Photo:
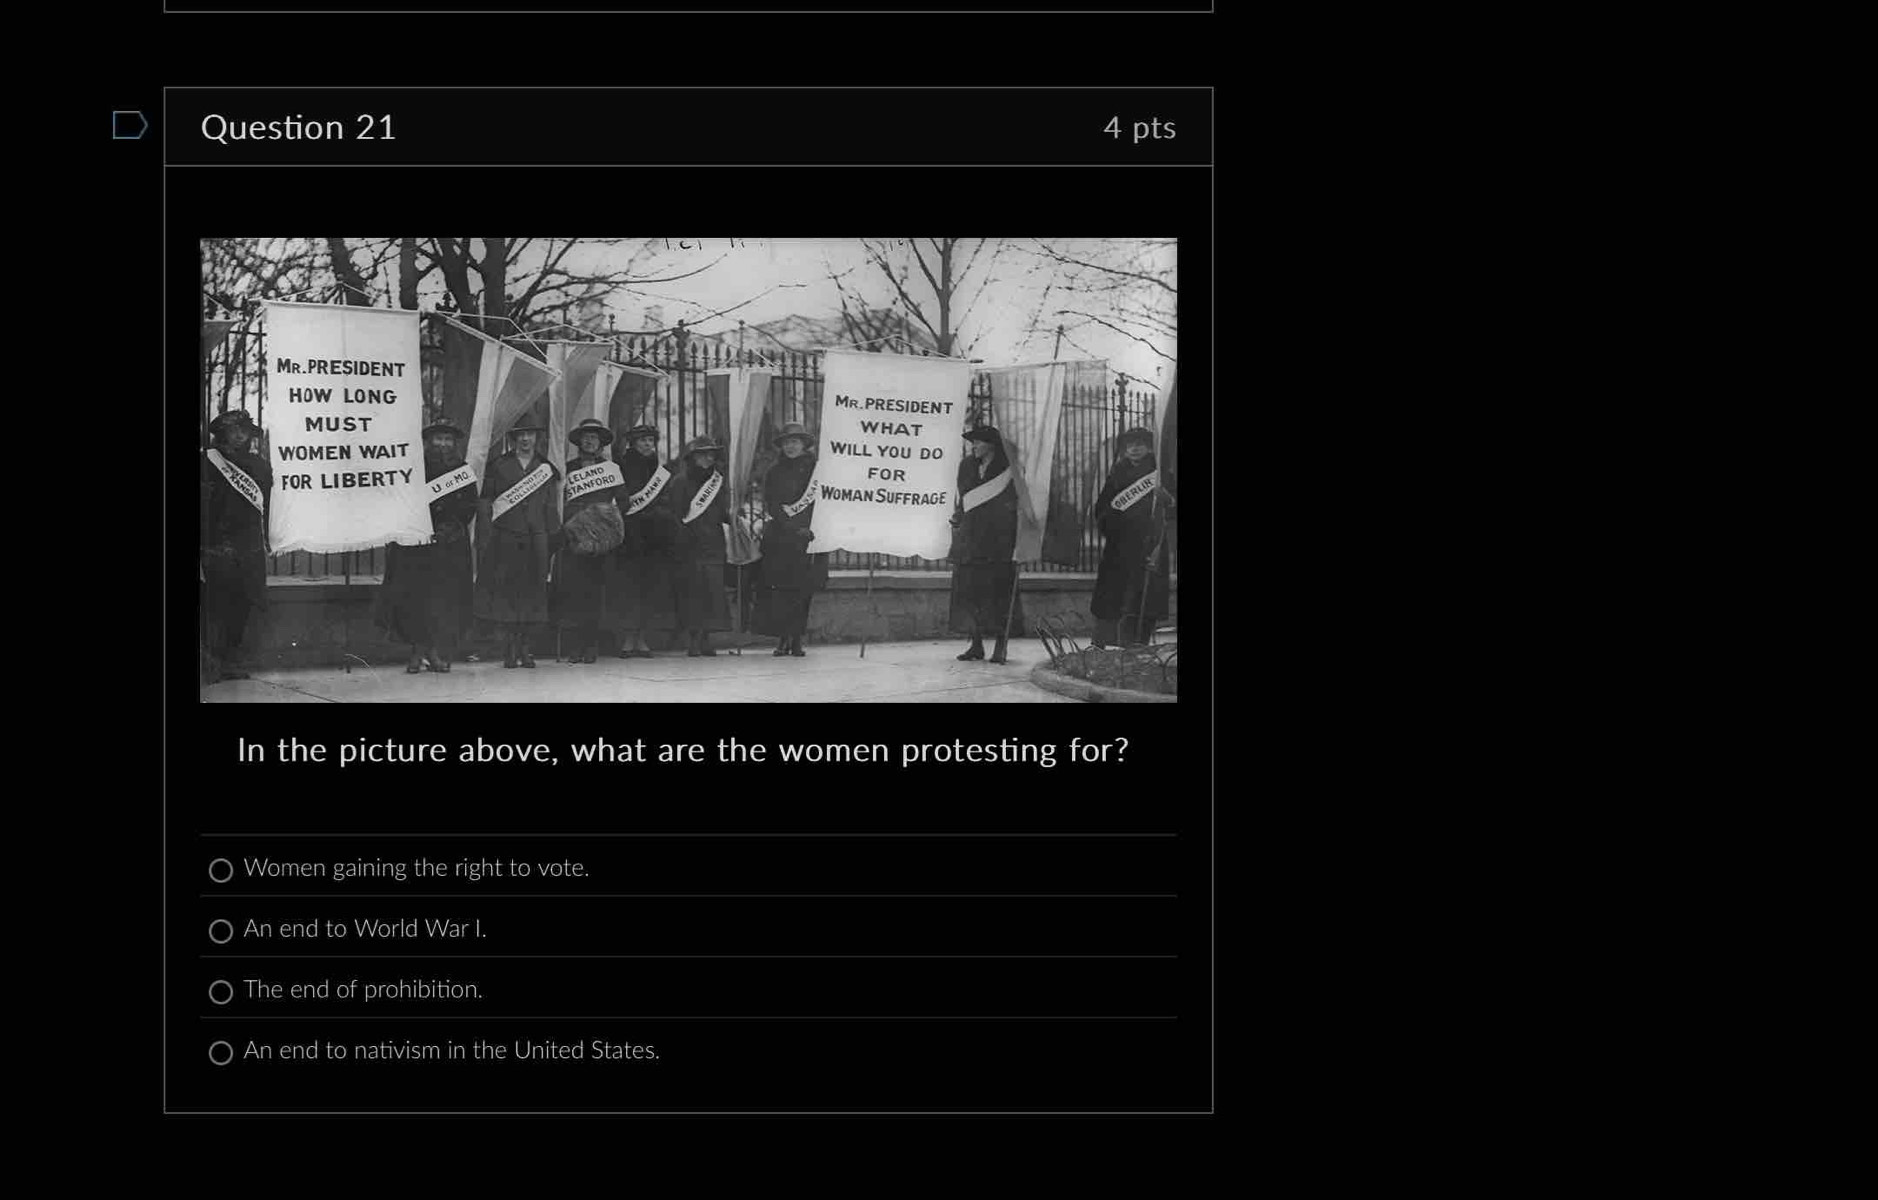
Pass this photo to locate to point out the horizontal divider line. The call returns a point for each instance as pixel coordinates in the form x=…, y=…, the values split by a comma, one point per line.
x=681, y=956
x=445, y=836
x=694, y=1017
x=687, y=896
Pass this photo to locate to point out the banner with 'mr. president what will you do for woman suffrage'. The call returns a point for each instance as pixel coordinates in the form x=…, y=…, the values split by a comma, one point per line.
x=344, y=416
x=887, y=459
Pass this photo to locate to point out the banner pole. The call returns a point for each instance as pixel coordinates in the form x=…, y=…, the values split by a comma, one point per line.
x=1017, y=577
x=345, y=606
x=872, y=558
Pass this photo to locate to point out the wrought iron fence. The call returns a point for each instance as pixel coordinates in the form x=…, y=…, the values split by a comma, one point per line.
x=235, y=374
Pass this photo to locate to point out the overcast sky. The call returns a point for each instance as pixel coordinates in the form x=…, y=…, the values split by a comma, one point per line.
x=783, y=276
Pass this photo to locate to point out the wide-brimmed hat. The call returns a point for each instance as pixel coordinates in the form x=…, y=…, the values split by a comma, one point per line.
x=985, y=433
x=231, y=418
x=441, y=427
x=1137, y=434
x=793, y=430
x=590, y=425
x=639, y=431
x=700, y=444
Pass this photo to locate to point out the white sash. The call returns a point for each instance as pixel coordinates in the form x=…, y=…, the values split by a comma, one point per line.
x=803, y=501
x=443, y=485
x=239, y=480
x=649, y=492
x=1132, y=495
x=987, y=490
x=705, y=495
x=526, y=487
x=592, y=479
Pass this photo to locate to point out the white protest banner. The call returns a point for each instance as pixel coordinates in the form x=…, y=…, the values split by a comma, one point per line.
x=890, y=443
x=576, y=363
x=346, y=409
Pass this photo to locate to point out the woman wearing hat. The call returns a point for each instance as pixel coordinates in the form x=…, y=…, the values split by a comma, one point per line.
x=984, y=578
x=591, y=531
x=513, y=537
x=640, y=592
x=700, y=501
x=235, y=487
x=426, y=596
x=791, y=575
x=1130, y=523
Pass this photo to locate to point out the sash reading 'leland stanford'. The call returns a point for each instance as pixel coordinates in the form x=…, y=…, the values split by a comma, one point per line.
x=239, y=480
x=803, y=501
x=443, y=485
x=592, y=479
x=649, y=492
x=1131, y=495
x=523, y=489
x=986, y=490
x=705, y=495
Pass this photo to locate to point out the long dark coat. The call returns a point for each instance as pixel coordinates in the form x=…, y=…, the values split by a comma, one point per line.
x=512, y=570
x=581, y=580
x=983, y=575
x=1127, y=539
x=233, y=555
x=640, y=592
x=427, y=595
x=790, y=574
x=699, y=573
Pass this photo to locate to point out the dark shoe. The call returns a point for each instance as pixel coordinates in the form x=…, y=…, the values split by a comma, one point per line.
x=707, y=652
x=692, y=653
x=973, y=655
x=997, y=653
x=796, y=651
x=509, y=662
x=528, y=660
x=443, y=667
x=412, y=668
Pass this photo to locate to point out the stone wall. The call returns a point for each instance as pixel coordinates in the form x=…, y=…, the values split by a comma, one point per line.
x=313, y=622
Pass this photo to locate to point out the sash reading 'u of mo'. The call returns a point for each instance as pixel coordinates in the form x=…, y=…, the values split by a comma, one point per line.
x=592, y=479
x=803, y=501
x=527, y=486
x=443, y=485
x=1132, y=495
x=705, y=495
x=239, y=480
x=650, y=492
x=986, y=490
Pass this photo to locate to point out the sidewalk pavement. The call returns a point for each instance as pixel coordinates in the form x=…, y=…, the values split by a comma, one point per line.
x=892, y=672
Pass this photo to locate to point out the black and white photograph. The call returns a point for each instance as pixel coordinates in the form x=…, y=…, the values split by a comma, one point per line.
x=663, y=470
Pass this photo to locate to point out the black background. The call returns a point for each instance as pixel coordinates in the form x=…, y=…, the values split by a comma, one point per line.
x=1135, y=1032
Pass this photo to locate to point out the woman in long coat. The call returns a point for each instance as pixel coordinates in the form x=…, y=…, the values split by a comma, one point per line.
x=235, y=489
x=1130, y=522
x=700, y=500
x=640, y=594
x=514, y=545
x=426, y=596
x=984, y=579
x=591, y=531
x=791, y=575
